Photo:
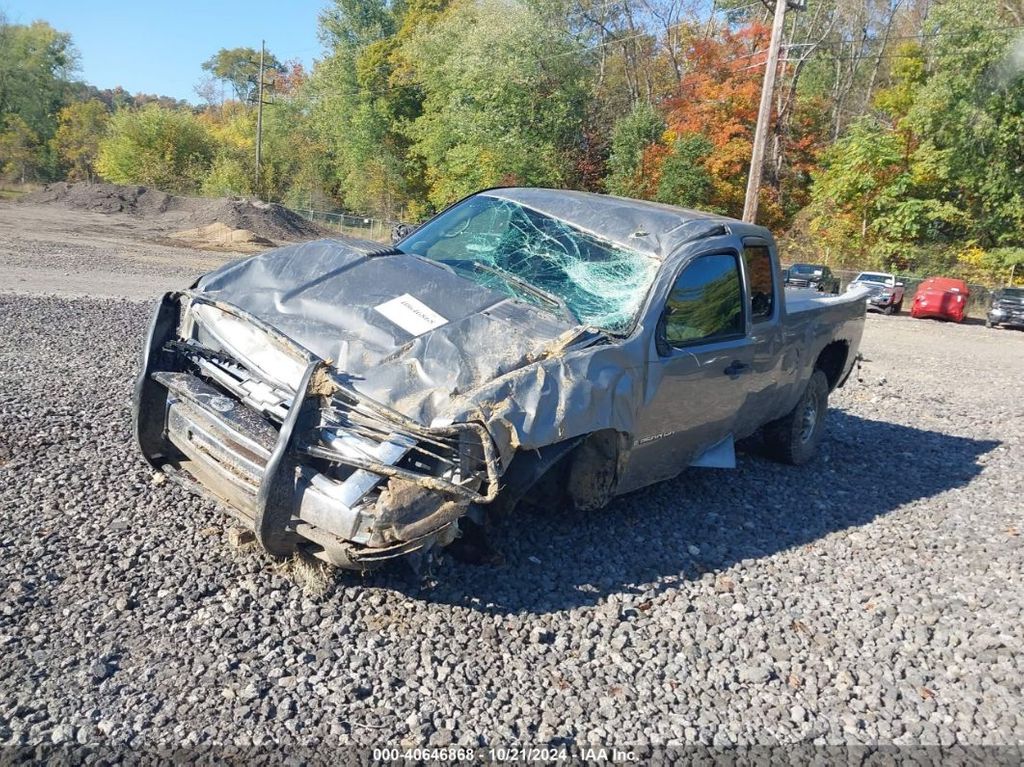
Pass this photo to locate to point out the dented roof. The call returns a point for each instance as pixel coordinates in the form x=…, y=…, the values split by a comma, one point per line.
x=648, y=227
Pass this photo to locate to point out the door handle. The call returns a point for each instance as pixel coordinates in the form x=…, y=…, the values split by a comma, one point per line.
x=736, y=368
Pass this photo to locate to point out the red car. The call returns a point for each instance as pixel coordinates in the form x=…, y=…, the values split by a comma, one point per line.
x=941, y=297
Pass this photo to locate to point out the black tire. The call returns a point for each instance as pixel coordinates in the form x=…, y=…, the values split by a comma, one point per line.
x=898, y=308
x=795, y=437
x=887, y=311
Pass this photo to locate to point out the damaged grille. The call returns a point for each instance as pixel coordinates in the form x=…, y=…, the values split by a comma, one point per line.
x=363, y=472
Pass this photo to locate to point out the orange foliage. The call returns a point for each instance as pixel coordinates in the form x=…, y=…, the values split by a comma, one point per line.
x=292, y=77
x=718, y=97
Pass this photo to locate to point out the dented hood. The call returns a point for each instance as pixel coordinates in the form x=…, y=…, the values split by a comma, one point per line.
x=408, y=333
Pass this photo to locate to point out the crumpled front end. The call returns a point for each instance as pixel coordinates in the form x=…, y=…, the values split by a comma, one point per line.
x=291, y=447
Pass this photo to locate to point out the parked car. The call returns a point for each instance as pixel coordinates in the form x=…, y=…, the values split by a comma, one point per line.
x=366, y=403
x=884, y=293
x=942, y=298
x=816, y=276
x=1007, y=308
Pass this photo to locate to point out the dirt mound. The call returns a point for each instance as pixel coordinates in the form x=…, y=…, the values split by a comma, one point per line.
x=105, y=198
x=220, y=236
x=266, y=222
x=264, y=219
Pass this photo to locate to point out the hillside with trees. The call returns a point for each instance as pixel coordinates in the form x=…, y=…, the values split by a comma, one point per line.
x=896, y=140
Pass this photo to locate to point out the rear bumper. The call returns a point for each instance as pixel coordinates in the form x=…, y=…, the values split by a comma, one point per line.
x=920, y=313
x=290, y=488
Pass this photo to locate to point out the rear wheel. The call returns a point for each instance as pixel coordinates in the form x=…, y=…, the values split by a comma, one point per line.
x=795, y=437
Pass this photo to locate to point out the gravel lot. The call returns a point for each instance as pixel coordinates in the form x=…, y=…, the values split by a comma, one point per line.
x=874, y=596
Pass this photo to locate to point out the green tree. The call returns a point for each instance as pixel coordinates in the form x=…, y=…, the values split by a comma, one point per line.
x=685, y=179
x=19, y=151
x=166, y=148
x=80, y=128
x=36, y=63
x=358, y=108
x=632, y=136
x=505, y=95
x=240, y=68
x=881, y=194
x=972, y=105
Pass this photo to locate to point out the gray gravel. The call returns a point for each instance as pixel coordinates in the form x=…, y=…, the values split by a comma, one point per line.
x=873, y=596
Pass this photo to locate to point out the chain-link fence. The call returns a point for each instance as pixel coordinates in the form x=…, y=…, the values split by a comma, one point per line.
x=364, y=227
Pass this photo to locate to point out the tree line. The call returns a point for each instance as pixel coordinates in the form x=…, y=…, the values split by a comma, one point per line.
x=896, y=133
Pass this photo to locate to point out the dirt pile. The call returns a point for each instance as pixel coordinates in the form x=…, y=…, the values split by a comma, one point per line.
x=264, y=219
x=266, y=223
x=105, y=198
x=220, y=236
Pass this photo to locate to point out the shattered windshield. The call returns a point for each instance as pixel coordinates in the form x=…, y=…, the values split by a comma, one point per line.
x=537, y=258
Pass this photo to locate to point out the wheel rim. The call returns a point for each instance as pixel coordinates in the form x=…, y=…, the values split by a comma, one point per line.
x=808, y=421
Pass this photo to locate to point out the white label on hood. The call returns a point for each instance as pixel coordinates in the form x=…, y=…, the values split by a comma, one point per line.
x=411, y=315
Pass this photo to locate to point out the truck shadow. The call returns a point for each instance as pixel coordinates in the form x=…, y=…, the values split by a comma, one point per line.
x=707, y=520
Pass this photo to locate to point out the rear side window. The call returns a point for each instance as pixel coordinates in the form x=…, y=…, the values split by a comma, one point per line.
x=706, y=302
x=758, y=263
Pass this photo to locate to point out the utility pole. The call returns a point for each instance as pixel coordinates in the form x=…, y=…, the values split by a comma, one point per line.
x=764, y=114
x=259, y=118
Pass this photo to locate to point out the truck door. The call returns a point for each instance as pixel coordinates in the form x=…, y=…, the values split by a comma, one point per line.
x=697, y=380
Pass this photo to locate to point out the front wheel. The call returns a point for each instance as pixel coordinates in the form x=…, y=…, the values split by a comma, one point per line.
x=795, y=437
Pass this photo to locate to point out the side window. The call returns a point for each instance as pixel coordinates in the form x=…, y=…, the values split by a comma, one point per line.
x=706, y=302
x=758, y=262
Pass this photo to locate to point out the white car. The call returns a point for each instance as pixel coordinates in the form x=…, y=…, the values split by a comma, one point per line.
x=885, y=294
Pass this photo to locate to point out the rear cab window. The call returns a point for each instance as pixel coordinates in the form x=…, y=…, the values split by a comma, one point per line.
x=757, y=262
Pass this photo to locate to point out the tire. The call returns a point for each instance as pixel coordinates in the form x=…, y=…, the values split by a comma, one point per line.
x=899, y=307
x=887, y=311
x=795, y=437
x=988, y=324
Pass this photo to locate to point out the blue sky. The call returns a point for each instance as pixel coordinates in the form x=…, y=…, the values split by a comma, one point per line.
x=157, y=46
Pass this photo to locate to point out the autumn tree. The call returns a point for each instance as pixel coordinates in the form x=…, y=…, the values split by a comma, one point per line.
x=718, y=99
x=80, y=128
x=632, y=136
x=19, y=151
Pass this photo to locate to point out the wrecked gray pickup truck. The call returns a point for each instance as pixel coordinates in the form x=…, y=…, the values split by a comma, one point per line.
x=363, y=403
